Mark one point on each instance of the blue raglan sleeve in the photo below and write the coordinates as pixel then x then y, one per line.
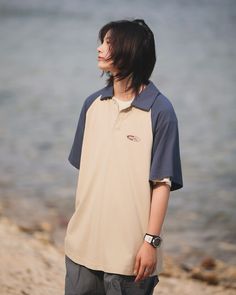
pixel 165 158
pixel 76 149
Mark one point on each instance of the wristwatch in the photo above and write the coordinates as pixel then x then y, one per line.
pixel 155 241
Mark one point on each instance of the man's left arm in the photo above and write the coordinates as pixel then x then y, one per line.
pixel 146 256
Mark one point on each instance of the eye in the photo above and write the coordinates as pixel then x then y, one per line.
pixel 108 40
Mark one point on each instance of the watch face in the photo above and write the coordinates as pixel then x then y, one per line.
pixel 156 242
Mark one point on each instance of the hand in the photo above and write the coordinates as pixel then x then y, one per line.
pixel 145 261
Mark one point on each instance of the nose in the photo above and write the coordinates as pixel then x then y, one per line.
pixel 99 48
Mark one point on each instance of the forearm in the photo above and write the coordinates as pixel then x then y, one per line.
pixel 159 203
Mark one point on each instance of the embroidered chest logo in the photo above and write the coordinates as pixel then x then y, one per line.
pixel 133 138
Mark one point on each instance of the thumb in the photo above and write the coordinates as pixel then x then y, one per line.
pixel 137 264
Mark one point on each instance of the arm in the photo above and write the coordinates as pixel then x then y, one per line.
pixel 165 161
pixel 146 257
pixel 159 203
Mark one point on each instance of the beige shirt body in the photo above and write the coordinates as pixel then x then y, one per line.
pixel 113 195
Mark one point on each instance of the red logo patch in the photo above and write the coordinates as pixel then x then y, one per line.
pixel 133 137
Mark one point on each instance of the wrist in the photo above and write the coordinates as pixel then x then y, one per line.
pixel 148 245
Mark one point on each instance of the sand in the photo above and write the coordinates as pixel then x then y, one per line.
pixel 32 264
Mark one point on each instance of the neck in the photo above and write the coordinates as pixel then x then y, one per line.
pixel 120 89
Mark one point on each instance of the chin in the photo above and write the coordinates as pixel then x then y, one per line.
pixel 103 68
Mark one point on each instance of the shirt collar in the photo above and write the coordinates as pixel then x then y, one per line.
pixel 143 101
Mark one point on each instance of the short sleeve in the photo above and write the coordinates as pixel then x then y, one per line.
pixel 75 153
pixel 165 159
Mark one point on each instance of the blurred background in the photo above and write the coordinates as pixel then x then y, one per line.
pixel 48 67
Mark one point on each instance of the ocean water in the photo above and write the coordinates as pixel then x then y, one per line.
pixel 48 67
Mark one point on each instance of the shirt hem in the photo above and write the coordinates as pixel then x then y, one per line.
pixel 102 268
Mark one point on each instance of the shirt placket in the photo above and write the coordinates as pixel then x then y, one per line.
pixel 120 116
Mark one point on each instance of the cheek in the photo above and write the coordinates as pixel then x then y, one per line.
pixel 107 51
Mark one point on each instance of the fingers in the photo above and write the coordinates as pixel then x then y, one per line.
pixel 140 273
pixel 143 272
pixel 136 266
pixel 151 270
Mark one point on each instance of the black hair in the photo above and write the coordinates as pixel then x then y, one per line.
pixel 132 51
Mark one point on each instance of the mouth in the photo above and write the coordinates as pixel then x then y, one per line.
pixel 100 58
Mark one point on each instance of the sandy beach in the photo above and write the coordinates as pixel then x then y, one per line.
pixel 33 265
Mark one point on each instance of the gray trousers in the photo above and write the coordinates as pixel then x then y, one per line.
pixel 80 280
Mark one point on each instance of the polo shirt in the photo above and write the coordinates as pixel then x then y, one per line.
pixel 120 153
pixel 122 104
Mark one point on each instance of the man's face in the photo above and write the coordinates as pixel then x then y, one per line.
pixel 103 55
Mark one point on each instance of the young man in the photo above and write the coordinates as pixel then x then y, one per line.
pixel 126 148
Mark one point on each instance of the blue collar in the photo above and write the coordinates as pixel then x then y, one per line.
pixel 143 101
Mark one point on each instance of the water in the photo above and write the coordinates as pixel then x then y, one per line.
pixel 48 67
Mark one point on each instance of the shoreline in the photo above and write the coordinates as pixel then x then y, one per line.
pixel 35 265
